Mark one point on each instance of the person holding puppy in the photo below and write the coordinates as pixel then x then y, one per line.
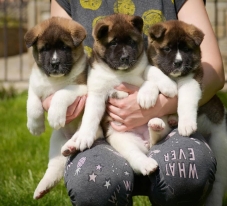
pixel 99 176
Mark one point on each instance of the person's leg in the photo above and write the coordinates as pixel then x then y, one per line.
pixel 186 171
pixel 99 176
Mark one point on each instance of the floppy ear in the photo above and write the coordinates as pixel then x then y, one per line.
pixel 101 30
pixel 137 22
pixel 78 32
pixel 156 31
pixel 196 34
pixel 31 36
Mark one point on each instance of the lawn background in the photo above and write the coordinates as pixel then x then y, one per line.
pixel 23 158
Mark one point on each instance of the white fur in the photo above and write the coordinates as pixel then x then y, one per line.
pixel 189 94
pixel 101 82
pixel 147 96
pixel 66 91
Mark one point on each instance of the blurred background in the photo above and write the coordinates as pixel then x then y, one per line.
pixel 23 157
pixel 16 16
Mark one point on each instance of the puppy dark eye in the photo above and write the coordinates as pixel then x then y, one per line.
pixel 186 49
pixel 113 43
pixel 46 47
pixel 166 49
pixel 131 42
pixel 65 47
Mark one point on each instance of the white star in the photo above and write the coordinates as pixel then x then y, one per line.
pixel 92 177
pixel 98 167
pixel 107 184
pixel 126 173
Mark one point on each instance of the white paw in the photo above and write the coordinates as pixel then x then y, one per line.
pixel 68 148
pixel 147 95
pixel 84 140
pixel 186 127
pixel 117 94
pixel 36 127
pixel 43 188
pixel 168 87
pixel 56 117
pixel 156 124
pixel 147 166
pixel 172 120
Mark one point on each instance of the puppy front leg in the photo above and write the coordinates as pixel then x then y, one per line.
pixel 189 94
pixel 60 102
pixel 56 165
pixel 147 94
pixel 35 113
pixel 93 113
pixel 165 85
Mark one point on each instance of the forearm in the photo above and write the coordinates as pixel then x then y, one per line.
pixel 214 78
pixel 164 106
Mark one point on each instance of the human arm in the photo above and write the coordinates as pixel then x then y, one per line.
pixel 57 10
pixel 73 110
pixel 213 79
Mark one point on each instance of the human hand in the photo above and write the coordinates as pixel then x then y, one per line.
pixel 73 110
pixel 127 112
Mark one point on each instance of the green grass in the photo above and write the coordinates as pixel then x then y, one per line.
pixel 23 159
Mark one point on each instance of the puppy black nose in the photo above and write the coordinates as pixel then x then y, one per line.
pixel 124 58
pixel 177 63
pixel 55 63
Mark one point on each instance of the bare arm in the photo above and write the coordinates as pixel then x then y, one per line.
pixel 57 10
pixel 194 12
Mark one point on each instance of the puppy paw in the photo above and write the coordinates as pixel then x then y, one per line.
pixel 117 94
pixel 68 148
pixel 186 127
pixel 147 166
pixel 43 188
pixel 35 127
pixel 168 87
pixel 147 95
pixel 56 117
pixel 84 140
pixel 39 194
pixel 172 120
pixel 156 124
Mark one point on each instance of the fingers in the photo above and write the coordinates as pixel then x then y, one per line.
pixel 115 117
pixel 46 102
pixel 75 109
pixel 119 127
pixel 71 109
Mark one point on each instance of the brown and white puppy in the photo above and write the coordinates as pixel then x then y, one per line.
pixel 174 47
pixel 60 69
pixel 118 56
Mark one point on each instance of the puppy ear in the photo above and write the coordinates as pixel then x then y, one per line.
pixel 78 33
pixel 31 36
pixel 137 22
pixel 197 35
pixel 157 31
pixel 101 30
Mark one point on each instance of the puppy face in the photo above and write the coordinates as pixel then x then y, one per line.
pixel 118 41
pixel 57 45
pixel 174 47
